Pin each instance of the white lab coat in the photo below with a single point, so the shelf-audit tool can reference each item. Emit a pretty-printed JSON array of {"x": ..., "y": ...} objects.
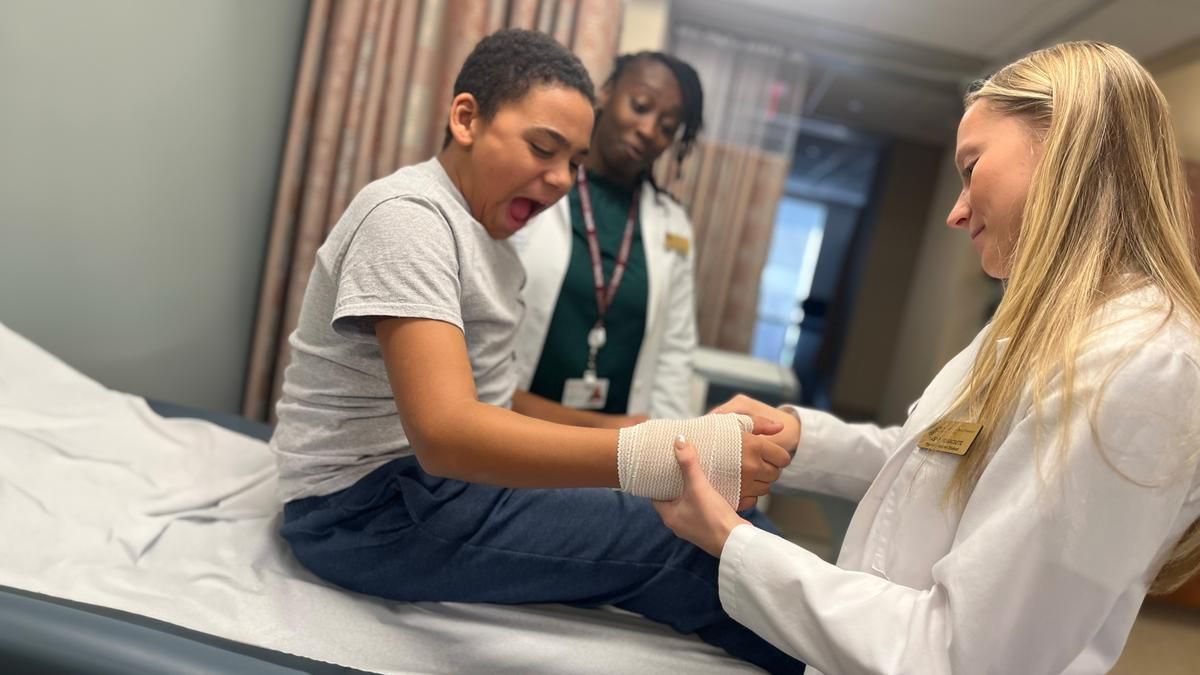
[
  {"x": 661, "y": 383},
  {"x": 1042, "y": 573}
]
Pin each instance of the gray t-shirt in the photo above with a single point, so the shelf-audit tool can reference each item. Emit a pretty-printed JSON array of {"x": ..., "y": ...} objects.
[{"x": 407, "y": 246}]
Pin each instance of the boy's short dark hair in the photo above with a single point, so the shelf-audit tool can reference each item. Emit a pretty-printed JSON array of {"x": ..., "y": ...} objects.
[{"x": 505, "y": 65}]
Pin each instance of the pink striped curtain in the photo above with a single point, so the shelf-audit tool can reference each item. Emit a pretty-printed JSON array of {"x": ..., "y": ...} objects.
[
  {"x": 371, "y": 95},
  {"x": 734, "y": 178},
  {"x": 731, "y": 193}
]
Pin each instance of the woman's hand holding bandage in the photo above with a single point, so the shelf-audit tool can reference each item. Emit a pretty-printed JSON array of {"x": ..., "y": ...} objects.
[
  {"x": 700, "y": 515},
  {"x": 734, "y": 457}
]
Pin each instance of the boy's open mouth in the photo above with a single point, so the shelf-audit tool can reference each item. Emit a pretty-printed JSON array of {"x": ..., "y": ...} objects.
[{"x": 521, "y": 209}]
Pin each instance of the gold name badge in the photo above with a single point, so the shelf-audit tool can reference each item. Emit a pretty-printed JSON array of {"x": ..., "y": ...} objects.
[
  {"x": 948, "y": 436},
  {"x": 677, "y": 243}
]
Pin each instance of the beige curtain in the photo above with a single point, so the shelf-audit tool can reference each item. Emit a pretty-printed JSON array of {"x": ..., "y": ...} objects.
[
  {"x": 732, "y": 182},
  {"x": 374, "y": 81}
]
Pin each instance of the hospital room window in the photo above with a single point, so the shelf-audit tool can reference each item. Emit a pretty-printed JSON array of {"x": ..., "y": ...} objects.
[
  {"x": 828, "y": 187},
  {"x": 787, "y": 277}
]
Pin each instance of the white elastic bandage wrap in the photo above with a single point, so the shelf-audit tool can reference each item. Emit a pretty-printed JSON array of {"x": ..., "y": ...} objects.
[{"x": 646, "y": 464}]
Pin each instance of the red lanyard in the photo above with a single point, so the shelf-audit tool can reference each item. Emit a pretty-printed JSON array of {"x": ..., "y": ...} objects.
[{"x": 604, "y": 296}]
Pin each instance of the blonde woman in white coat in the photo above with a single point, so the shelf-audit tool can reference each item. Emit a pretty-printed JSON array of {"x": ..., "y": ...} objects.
[
  {"x": 1077, "y": 408},
  {"x": 629, "y": 351}
]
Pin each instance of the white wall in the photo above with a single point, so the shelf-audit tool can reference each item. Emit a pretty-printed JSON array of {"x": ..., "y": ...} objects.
[
  {"x": 946, "y": 303},
  {"x": 910, "y": 174},
  {"x": 644, "y": 26},
  {"x": 139, "y": 146},
  {"x": 1181, "y": 86}
]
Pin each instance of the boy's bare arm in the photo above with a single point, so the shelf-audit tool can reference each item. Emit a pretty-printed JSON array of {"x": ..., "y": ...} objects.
[{"x": 455, "y": 435}]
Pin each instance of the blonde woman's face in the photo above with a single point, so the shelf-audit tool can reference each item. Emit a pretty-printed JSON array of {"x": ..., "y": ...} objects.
[{"x": 995, "y": 155}]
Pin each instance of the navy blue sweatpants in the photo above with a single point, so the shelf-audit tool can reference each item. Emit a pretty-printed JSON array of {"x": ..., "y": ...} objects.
[{"x": 402, "y": 534}]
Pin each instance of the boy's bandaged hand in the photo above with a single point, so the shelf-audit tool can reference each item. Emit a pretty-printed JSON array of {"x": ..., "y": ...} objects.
[{"x": 740, "y": 465}]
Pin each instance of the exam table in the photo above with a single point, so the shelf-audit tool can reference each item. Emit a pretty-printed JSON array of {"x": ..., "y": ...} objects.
[{"x": 140, "y": 537}]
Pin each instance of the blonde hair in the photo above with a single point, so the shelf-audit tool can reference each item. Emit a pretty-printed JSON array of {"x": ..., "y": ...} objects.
[{"x": 1107, "y": 210}]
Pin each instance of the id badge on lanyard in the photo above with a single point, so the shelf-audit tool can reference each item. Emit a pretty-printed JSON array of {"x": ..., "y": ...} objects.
[{"x": 591, "y": 392}]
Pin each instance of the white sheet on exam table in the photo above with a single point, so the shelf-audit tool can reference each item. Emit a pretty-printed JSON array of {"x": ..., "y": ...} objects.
[{"x": 104, "y": 502}]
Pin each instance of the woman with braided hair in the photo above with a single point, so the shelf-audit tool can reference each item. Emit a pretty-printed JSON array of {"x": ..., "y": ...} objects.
[{"x": 626, "y": 350}]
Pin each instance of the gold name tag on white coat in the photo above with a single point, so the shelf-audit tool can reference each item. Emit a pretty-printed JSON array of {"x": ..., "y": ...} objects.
[
  {"x": 949, "y": 436},
  {"x": 679, "y": 244}
]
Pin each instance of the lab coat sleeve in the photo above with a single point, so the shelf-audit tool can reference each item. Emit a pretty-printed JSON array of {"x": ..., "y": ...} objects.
[
  {"x": 1043, "y": 551},
  {"x": 835, "y": 457},
  {"x": 671, "y": 396}
]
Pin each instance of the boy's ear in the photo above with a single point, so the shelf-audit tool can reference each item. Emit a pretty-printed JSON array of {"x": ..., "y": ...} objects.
[{"x": 464, "y": 119}]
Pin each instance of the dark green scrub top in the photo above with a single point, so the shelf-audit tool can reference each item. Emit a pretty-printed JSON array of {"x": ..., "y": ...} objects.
[{"x": 565, "y": 352}]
